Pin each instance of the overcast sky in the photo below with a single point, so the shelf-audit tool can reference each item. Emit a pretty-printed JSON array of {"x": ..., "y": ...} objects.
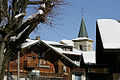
[{"x": 67, "y": 27}]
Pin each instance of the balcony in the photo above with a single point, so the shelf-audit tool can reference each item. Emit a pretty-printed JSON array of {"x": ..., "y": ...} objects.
[{"x": 28, "y": 66}]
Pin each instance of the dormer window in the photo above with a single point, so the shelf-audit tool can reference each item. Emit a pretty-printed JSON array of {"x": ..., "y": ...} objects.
[
  {"x": 81, "y": 48},
  {"x": 64, "y": 68},
  {"x": 67, "y": 49}
]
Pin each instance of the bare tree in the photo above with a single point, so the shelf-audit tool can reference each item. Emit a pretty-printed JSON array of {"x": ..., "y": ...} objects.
[{"x": 14, "y": 30}]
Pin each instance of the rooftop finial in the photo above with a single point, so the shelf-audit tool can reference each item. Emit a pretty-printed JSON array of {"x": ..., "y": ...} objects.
[{"x": 82, "y": 12}]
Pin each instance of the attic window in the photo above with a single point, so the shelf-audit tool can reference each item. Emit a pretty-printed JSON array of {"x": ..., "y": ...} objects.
[
  {"x": 44, "y": 61},
  {"x": 64, "y": 68},
  {"x": 67, "y": 49},
  {"x": 81, "y": 48}
]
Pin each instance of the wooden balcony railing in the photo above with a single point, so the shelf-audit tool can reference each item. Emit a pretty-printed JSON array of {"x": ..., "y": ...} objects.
[
  {"x": 51, "y": 75},
  {"x": 28, "y": 66}
]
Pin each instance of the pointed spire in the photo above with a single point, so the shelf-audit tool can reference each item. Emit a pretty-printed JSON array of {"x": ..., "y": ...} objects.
[{"x": 83, "y": 31}]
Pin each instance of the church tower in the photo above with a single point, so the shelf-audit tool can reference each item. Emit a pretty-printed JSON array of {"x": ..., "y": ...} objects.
[{"x": 83, "y": 43}]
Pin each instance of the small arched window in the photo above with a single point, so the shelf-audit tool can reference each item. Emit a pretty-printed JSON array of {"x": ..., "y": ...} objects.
[{"x": 81, "y": 48}]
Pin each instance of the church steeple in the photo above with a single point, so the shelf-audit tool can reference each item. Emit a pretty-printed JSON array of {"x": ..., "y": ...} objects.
[
  {"x": 83, "y": 43},
  {"x": 83, "y": 31}
]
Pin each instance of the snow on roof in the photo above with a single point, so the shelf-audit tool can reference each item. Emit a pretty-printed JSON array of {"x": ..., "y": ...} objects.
[
  {"x": 67, "y": 42},
  {"x": 59, "y": 50},
  {"x": 109, "y": 31},
  {"x": 74, "y": 52},
  {"x": 82, "y": 38},
  {"x": 89, "y": 57},
  {"x": 52, "y": 42},
  {"x": 29, "y": 42}
]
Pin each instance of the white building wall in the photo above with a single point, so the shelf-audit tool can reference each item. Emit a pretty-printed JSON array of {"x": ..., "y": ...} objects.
[
  {"x": 83, "y": 77},
  {"x": 86, "y": 45},
  {"x": 73, "y": 76}
]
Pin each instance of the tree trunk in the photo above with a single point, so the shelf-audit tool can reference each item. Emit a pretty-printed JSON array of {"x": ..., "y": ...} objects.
[{"x": 2, "y": 60}]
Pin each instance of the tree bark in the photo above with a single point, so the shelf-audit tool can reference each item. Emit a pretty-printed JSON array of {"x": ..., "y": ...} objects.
[{"x": 2, "y": 59}]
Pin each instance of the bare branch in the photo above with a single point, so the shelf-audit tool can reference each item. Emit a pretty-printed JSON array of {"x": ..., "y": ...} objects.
[
  {"x": 5, "y": 5},
  {"x": 3, "y": 13},
  {"x": 35, "y": 2},
  {"x": 20, "y": 15},
  {"x": 37, "y": 17},
  {"x": 24, "y": 4},
  {"x": 26, "y": 32}
]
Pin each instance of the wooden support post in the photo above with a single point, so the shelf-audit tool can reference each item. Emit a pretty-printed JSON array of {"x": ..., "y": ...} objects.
[{"x": 18, "y": 67}]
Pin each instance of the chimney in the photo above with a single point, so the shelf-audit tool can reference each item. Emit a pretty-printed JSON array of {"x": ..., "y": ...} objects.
[{"x": 38, "y": 38}]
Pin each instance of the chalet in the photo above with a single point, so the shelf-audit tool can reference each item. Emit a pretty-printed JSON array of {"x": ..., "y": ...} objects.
[
  {"x": 65, "y": 60},
  {"x": 108, "y": 47},
  {"x": 42, "y": 61}
]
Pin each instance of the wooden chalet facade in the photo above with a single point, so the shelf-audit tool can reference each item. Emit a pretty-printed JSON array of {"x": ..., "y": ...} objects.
[
  {"x": 39, "y": 58},
  {"x": 108, "y": 47}
]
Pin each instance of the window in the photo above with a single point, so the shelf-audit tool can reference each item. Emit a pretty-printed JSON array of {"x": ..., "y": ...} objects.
[
  {"x": 64, "y": 68},
  {"x": 44, "y": 62},
  {"x": 77, "y": 77},
  {"x": 89, "y": 45},
  {"x": 81, "y": 47},
  {"x": 29, "y": 59},
  {"x": 67, "y": 49},
  {"x": 40, "y": 61}
]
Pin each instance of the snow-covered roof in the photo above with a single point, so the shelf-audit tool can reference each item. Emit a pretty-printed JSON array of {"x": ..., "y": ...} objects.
[
  {"x": 52, "y": 42},
  {"x": 89, "y": 57},
  {"x": 67, "y": 42},
  {"x": 29, "y": 42},
  {"x": 82, "y": 38},
  {"x": 74, "y": 51},
  {"x": 109, "y": 31},
  {"x": 59, "y": 50}
]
